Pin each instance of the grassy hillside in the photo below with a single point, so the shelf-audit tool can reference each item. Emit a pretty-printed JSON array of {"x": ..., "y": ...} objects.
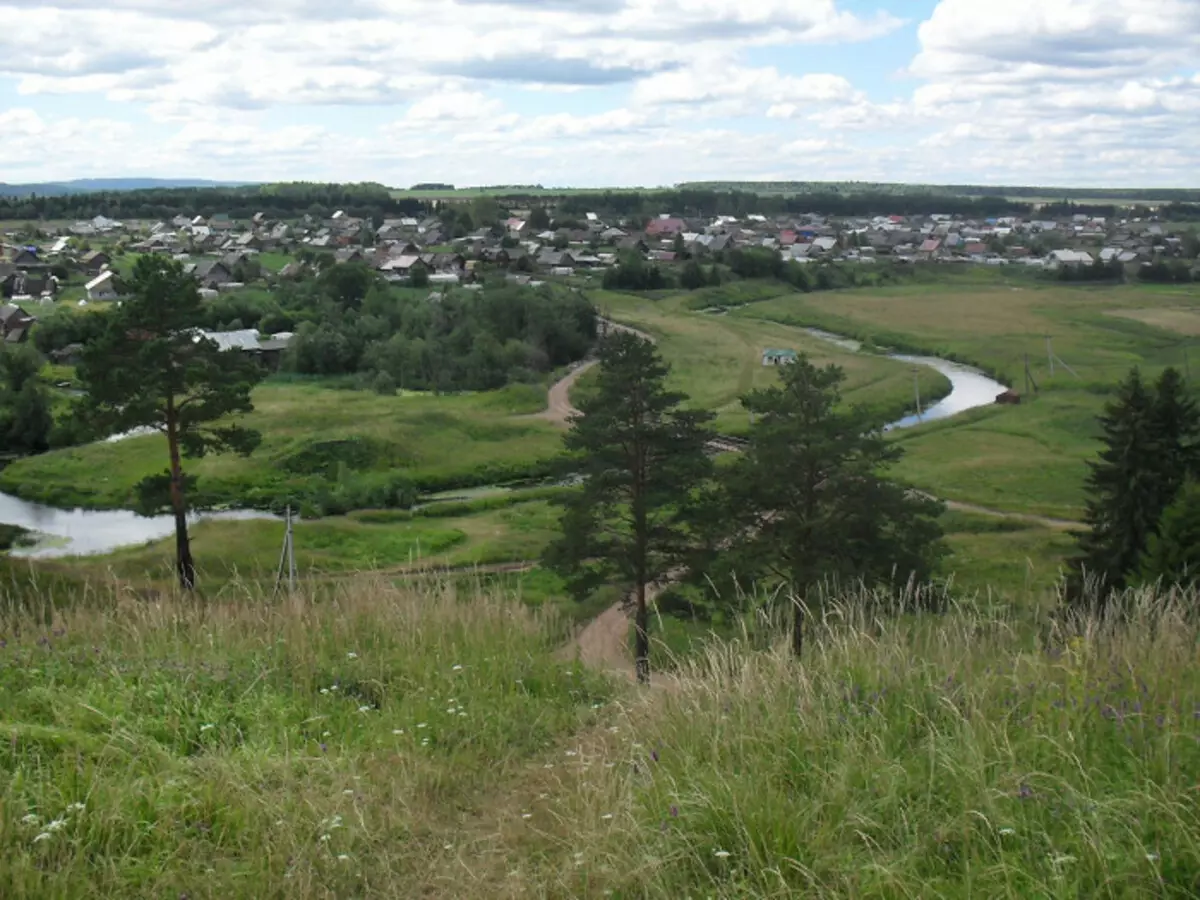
[
  {"x": 375, "y": 742},
  {"x": 315, "y": 436},
  {"x": 715, "y": 359}
]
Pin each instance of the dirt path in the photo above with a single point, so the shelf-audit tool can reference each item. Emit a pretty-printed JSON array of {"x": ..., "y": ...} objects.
[
  {"x": 604, "y": 642},
  {"x": 1044, "y": 521},
  {"x": 559, "y": 409}
]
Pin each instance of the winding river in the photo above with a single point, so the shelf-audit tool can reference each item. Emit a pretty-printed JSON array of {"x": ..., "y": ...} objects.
[
  {"x": 80, "y": 532},
  {"x": 969, "y": 388}
]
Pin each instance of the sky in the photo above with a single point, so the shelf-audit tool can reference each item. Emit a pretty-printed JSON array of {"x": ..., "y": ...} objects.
[{"x": 590, "y": 93}]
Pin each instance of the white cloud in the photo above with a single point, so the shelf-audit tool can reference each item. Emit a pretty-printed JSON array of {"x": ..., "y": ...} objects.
[{"x": 632, "y": 91}]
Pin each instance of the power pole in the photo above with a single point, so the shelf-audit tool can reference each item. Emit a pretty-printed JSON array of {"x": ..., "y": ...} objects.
[
  {"x": 287, "y": 557},
  {"x": 917, "y": 390},
  {"x": 1026, "y": 374},
  {"x": 1050, "y": 354}
]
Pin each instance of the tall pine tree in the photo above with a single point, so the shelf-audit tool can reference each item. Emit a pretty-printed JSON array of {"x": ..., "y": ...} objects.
[
  {"x": 642, "y": 458},
  {"x": 150, "y": 369},
  {"x": 808, "y": 502}
]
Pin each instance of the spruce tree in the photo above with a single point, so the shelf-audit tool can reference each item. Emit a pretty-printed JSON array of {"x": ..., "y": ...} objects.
[
  {"x": 1175, "y": 427},
  {"x": 1125, "y": 487},
  {"x": 642, "y": 458},
  {"x": 1173, "y": 554}
]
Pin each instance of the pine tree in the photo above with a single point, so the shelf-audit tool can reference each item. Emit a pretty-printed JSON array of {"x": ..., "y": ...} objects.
[
  {"x": 808, "y": 504},
  {"x": 149, "y": 368},
  {"x": 642, "y": 458},
  {"x": 1125, "y": 487}
]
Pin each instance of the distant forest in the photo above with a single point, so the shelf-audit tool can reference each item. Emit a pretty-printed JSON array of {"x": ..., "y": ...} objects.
[
  {"x": 276, "y": 201},
  {"x": 376, "y": 202},
  {"x": 1113, "y": 195}
]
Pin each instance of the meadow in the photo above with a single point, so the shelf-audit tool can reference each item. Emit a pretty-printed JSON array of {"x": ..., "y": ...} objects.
[
  {"x": 716, "y": 358},
  {"x": 1031, "y": 458},
  {"x": 440, "y": 742},
  {"x": 315, "y": 435}
]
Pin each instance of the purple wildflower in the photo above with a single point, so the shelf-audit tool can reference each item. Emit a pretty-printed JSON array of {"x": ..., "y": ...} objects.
[
  {"x": 654, "y": 755},
  {"x": 323, "y": 747},
  {"x": 1025, "y": 792},
  {"x": 674, "y": 812}
]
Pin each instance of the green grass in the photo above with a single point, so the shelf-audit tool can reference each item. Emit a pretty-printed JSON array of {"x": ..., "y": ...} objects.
[
  {"x": 436, "y": 442},
  {"x": 437, "y": 742},
  {"x": 1031, "y": 458},
  {"x": 312, "y": 748},
  {"x": 273, "y": 262},
  {"x": 716, "y": 359}
]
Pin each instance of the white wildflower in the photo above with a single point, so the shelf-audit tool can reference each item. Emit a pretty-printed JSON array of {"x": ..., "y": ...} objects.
[
  {"x": 324, "y": 690},
  {"x": 333, "y": 687},
  {"x": 526, "y": 815},
  {"x": 447, "y": 846},
  {"x": 462, "y": 712},
  {"x": 30, "y": 819},
  {"x": 1152, "y": 857},
  {"x": 456, "y": 669},
  {"x": 348, "y": 792},
  {"x": 343, "y": 857},
  {"x": 326, "y": 733},
  {"x": 572, "y": 753},
  {"x": 607, "y": 817},
  {"x": 76, "y": 807},
  {"x": 351, "y": 655},
  {"x": 1007, "y": 832},
  {"x": 721, "y": 854},
  {"x": 324, "y": 839},
  {"x": 44, "y": 836},
  {"x": 364, "y": 709},
  {"x": 422, "y": 725},
  {"x": 1063, "y": 860},
  {"x": 208, "y": 727},
  {"x": 397, "y": 731},
  {"x": 56, "y": 825},
  {"x": 424, "y": 742}
]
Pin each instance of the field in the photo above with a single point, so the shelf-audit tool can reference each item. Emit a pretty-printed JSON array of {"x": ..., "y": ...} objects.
[
  {"x": 375, "y": 741},
  {"x": 1026, "y": 459},
  {"x": 716, "y": 358},
  {"x": 438, "y": 442}
]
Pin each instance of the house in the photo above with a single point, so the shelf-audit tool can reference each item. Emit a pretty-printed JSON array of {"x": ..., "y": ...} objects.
[
  {"x": 14, "y": 323},
  {"x": 26, "y": 258},
  {"x": 665, "y": 226},
  {"x": 778, "y": 357},
  {"x": 549, "y": 258},
  {"x": 105, "y": 286},
  {"x": 211, "y": 273},
  {"x": 267, "y": 350},
  {"x": 95, "y": 262},
  {"x": 930, "y": 247},
  {"x": 1069, "y": 258}
]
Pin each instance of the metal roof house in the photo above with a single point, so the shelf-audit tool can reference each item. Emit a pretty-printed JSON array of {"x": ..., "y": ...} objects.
[{"x": 778, "y": 357}]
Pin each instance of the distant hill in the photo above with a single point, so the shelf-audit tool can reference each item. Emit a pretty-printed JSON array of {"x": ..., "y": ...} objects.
[{"x": 92, "y": 185}]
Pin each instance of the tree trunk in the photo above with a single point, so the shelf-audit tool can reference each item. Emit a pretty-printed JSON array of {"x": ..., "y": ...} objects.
[
  {"x": 184, "y": 565},
  {"x": 797, "y": 627},
  {"x": 642, "y": 645}
]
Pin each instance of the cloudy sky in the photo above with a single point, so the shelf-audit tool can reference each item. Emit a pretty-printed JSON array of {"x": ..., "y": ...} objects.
[{"x": 603, "y": 92}]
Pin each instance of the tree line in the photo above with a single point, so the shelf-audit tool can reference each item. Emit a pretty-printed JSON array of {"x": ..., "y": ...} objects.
[{"x": 276, "y": 201}]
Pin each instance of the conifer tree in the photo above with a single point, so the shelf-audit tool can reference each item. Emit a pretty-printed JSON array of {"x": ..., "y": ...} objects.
[
  {"x": 151, "y": 369},
  {"x": 1125, "y": 487},
  {"x": 642, "y": 458},
  {"x": 808, "y": 502}
]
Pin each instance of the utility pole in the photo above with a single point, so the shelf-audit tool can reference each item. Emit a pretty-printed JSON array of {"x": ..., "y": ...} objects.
[
  {"x": 917, "y": 390},
  {"x": 287, "y": 558},
  {"x": 1026, "y": 374},
  {"x": 1050, "y": 354}
]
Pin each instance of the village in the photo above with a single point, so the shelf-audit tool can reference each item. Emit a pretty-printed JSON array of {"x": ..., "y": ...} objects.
[{"x": 77, "y": 263}]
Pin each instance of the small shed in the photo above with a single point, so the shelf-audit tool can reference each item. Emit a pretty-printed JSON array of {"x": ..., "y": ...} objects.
[
  {"x": 1009, "y": 398},
  {"x": 778, "y": 357}
]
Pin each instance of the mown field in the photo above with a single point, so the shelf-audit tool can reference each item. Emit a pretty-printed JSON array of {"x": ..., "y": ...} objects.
[{"x": 440, "y": 742}]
